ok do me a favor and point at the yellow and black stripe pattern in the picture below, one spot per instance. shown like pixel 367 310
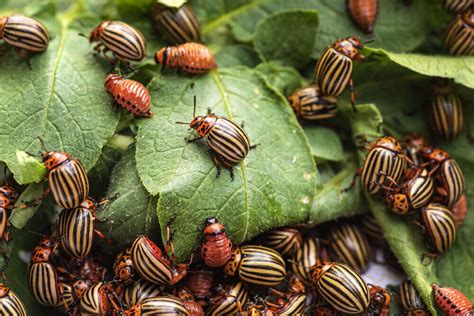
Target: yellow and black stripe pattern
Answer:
pixel 380 163
pixel 126 42
pixel 409 298
pixel 10 303
pixel 148 260
pixel 25 33
pixel 44 283
pixel 305 257
pixel 343 289
pixel 296 305
pixel 178 26
pixel 228 140
pixel 94 301
pixel 452 180
pixel 420 189
pixel 285 240
pixel 333 72
pixel 309 104
pixel 256 265
pixel 232 302
pixel 350 246
pixel 439 225
pixel 162 305
pixel 67 297
pixel 141 290
pixel 372 229
pixel 76 231
pixel 69 183
pixel 446 116
pixel 456 6
pixel 459 37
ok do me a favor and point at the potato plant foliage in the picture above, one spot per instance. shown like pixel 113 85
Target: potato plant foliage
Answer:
pixel 265 49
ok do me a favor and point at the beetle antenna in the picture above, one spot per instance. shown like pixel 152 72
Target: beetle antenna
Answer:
pixel 369 41
pixel 184 123
pixel 42 143
pixel 194 111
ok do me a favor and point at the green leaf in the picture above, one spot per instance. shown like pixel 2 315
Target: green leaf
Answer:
pixel 273 186
pixel 237 55
pixel 281 78
pixel 133 8
pixel 276 41
pixel 30 169
pixel 325 143
pixel 172 3
pixel 61 100
pixel 99 176
pixel 131 211
pixel 21 214
pixel 459 68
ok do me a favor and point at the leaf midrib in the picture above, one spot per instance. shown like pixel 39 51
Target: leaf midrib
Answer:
pixel 243 165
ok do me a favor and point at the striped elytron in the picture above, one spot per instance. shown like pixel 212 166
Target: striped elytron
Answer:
pixel 446 113
pixel 178 26
pixel 10 303
pixel 304 258
pixel 67 179
pixel 228 141
pixel 459 37
pixel 410 300
pixel 230 301
pixel 293 305
pixel 456 6
pixel 150 262
pixel 256 265
pixel 130 94
pixel 193 58
pixel 309 104
pixel 124 41
pixel 95 300
pixel 448 176
pixel 385 162
pixel 140 290
pixel 27 35
pixel 76 229
pixel 350 246
pixel 285 240
pixel 372 230
pixel 414 193
pixel 8 197
pixel 42 276
pixel 161 305
pixel 438 223
pixel 451 301
pixel 333 69
pixel 341 287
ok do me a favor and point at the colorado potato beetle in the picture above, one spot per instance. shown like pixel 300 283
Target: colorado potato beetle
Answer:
pixel 287 304
pixel 230 300
pixel 97 300
pixel 177 25
pixel 364 13
pixel 228 141
pixel 124 41
pixel 123 267
pixel 438 223
pixel 415 192
pixel 67 178
pixel 446 113
pixel 8 197
pixel 349 245
pixel 152 264
pixel 217 248
pixel 386 160
pixel 256 265
pixel 193 58
pixel 379 301
pixel 285 240
pixel 189 303
pixel 451 301
pixel 410 300
pixel 10 303
pixel 413 143
pixel 160 305
pixel 448 176
pixel 456 6
pixel 341 287
pixel 310 104
pixel 140 290
pixel 130 94
pixel 333 69
pixel 25 34
pixel 372 230
pixel 459 37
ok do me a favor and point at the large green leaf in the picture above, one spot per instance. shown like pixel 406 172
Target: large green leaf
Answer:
pixel 290 46
pixel 274 186
pixel 282 79
pixel 61 99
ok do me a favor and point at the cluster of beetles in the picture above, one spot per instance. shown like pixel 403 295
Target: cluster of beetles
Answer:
pixel 287 271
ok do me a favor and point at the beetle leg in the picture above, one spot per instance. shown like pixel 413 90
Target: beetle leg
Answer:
pixel 217 163
pixel 232 176
pixel 353 98
pixel 254 146
pixel 193 139
pixel 359 171
pixel 169 246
